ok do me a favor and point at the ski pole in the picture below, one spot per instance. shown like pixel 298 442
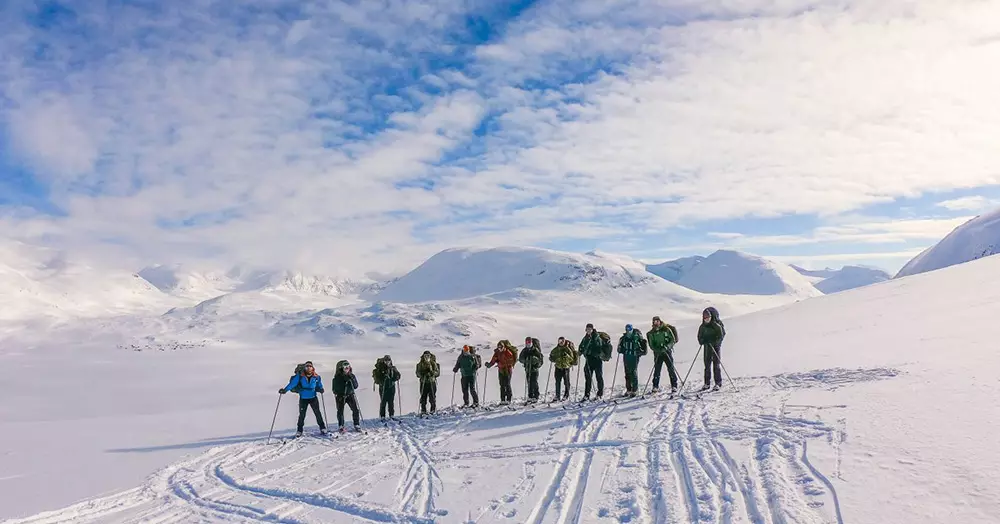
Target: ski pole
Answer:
pixel 453 377
pixel 716 353
pixel 576 393
pixel 615 377
pixel 650 377
pixel 399 395
pixel 681 390
pixel 486 378
pixel 548 377
pixel 322 400
pixel 274 419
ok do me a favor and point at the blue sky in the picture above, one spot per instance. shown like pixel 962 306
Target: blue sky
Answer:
pixel 357 136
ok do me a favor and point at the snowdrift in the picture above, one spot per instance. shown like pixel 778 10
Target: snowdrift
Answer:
pixel 464 273
pixel 977 238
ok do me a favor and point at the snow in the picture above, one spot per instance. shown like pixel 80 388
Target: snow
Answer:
pixel 470 272
pixel 869 405
pixel 673 270
pixel 848 277
pixel 977 238
pixel 734 273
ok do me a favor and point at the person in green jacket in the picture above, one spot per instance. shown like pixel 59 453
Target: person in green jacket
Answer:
pixel 631 345
pixel 564 357
pixel 661 340
pixel 468 363
pixel 428 371
pixel 532 359
pixel 710 335
pixel 591 347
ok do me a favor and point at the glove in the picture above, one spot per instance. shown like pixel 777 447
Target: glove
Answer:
pixel 489 364
pixel 454 370
pixel 320 390
pixel 282 391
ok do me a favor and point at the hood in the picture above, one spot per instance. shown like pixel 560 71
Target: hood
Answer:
pixel 713 313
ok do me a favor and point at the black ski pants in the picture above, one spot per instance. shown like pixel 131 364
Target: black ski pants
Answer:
pixel 668 359
pixel 594 368
pixel 533 390
pixel 428 392
pixel 469 386
pixel 506 392
pixel 388 396
pixel 562 378
pixel 355 411
pixel 712 363
pixel 305 404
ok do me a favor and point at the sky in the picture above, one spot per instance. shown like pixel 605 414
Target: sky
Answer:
pixel 355 136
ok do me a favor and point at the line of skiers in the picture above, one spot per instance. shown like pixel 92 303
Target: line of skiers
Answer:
pixel 595 348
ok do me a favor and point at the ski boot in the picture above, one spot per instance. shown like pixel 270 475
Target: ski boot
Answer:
pixel 324 432
pixel 298 434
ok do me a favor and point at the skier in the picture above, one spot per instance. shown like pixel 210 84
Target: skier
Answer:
pixel 428 371
pixel 344 386
pixel 386 376
pixel 596 349
pixel 632 346
pixel 710 335
pixel 504 357
pixel 306 382
pixel 532 359
pixel 468 362
pixel 564 356
pixel 661 338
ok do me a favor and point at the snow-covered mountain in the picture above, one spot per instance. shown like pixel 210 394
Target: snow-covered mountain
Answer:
pixel 41 282
pixel 975 239
pixel 844 413
pixel 674 270
pixel 467 272
pixel 734 273
pixel 848 277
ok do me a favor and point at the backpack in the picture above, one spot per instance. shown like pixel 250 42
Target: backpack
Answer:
pixel 673 331
pixel 573 351
pixel 479 358
pixel 607 349
pixel 505 344
pixel 299 369
pixel 378 374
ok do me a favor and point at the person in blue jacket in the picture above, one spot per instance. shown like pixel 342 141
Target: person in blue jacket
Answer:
pixel 307 384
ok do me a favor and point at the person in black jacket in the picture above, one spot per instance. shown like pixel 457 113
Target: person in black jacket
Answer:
pixel 344 386
pixel 710 335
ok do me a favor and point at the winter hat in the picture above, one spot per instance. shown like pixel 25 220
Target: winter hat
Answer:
pixel 590 326
pixel 466 348
pixel 628 327
pixel 656 319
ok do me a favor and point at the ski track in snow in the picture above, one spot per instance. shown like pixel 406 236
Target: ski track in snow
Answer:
pixel 722 458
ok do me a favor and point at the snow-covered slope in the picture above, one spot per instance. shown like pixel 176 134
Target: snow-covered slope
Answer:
pixel 673 270
pixel 465 272
pixel 39 282
pixel 848 277
pixel 734 273
pixel 977 238
pixel 845 413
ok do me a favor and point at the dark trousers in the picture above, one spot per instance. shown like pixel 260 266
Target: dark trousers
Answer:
pixel 428 391
pixel 668 359
pixel 353 403
pixel 712 362
pixel 506 392
pixel 304 404
pixel 388 396
pixel 469 386
pixel 594 368
pixel 562 377
pixel 533 391
pixel 631 375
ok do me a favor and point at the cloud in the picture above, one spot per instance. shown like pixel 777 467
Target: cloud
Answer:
pixel 372 133
pixel 972 203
